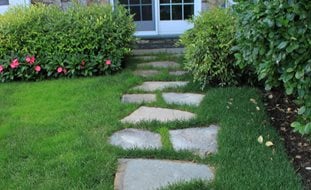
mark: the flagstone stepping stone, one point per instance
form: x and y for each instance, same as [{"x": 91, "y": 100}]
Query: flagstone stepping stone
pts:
[
  {"x": 146, "y": 73},
  {"x": 135, "y": 138},
  {"x": 177, "y": 73},
  {"x": 147, "y": 114},
  {"x": 183, "y": 98},
  {"x": 201, "y": 141},
  {"x": 157, "y": 85},
  {"x": 144, "y": 174},
  {"x": 160, "y": 64},
  {"x": 139, "y": 98},
  {"x": 146, "y": 57}
]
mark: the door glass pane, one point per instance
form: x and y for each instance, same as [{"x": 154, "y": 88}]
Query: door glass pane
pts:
[
  {"x": 165, "y": 13},
  {"x": 134, "y": 1},
  {"x": 188, "y": 1},
  {"x": 188, "y": 11},
  {"x": 176, "y": 1},
  {"x": 135, "y": 10},
  {"x": 147, "y": 12},
  {"x": 146, "y": 1},
  {"x": 123, "y": 2},
  {"x": 177, "y": 12},
  {"x": 164, "y": 1}
]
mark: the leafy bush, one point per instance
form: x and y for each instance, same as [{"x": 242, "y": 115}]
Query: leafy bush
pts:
[
  {"x": 82, "y": 41},
  {"x": 274, "y": 37},
  {"x": 208, "y": 48}
]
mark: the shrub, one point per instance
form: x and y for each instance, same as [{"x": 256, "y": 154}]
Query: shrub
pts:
[
  {"x": 208, "y": 48},
  {"x": 274, "y": 37},
  {"x": 82, "y": 41}
]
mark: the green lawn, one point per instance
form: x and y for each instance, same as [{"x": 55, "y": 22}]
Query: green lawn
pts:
[{"x": 53, "y": 135}]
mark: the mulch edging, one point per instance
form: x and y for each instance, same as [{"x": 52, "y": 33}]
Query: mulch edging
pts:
[{"x": 282, "y": 112}]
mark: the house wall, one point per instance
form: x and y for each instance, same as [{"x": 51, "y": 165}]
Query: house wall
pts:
[
  {"x": 210, "y": 4},
  {"x": 4, "y": 8}
]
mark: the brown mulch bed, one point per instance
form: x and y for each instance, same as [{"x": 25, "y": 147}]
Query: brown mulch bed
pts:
[{"x": 282, "y": 111}]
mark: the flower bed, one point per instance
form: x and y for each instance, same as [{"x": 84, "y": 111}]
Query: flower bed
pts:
[{"x": 41, "y": 42}]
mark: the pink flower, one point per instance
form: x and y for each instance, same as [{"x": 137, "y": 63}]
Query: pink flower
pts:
[
  {"x": 28, "y": 59},
  {"x": 59, "y": 69},
  {"x": 14, "y": 64},
  {"x": 31, "y": 59},
  {"x": 37, "y": 68},
  {"x": 82, "y": 62},
  {"x": 1, "y": 68},
  {"x": 108, "y": 62}
]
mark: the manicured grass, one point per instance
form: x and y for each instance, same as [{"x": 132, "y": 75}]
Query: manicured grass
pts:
[{"x": 54, "y": 135}]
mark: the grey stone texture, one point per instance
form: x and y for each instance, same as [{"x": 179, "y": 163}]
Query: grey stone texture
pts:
[
  {"x": 146, "y": 73},
  {"x": 146, "y": 57},
  {"x": 160, "y": 64},
  {"x": 136, "y": 138},
  {"x": 144, "y": 174},
  {"x": 147, "y": 114},
  {"x": 138, "y": 98},
  {"x": 159, "y": 85},
  {"x": 201, "y": 141},
  {"x": 177, "y": 73},
  {"x": 158, "y": 50},
  {"x": 183, "y": 98}
]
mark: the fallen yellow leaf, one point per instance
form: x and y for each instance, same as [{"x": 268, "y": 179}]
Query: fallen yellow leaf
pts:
[
  {"x": 253, "y": 100},
  {"x": 269, "y": 143},
  {"x": 260, "y": 139}
]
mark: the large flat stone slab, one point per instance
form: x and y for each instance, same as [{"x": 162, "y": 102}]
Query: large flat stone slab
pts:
[
  {"x": 146, "y": 73},
  {"x": 138, "y": 98},
  {"x": 135, "y": 138},
  {"x": 147, "y": 114},
  {"x": 201, "y": 141},
  {"x": 173, "y": 51},
  {"x": 178, "y": 73},
  {"x": 158, "y": 85},
  {"x": 144, "y": 174},
  {"x": 160, "y": 64},
  {"x": 146, "y": 57},
  {"x": 183, "y": 98}
]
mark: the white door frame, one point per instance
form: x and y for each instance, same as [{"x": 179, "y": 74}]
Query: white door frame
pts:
[{"x": 168, "y": 27}]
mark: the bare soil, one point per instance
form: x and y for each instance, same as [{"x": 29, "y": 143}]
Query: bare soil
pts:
[{"x": 282, "y": 112}]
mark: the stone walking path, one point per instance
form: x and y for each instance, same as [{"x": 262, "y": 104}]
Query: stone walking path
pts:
[
  {"x": 147, "y": 114},
  {"x": 152, "y": 86},
  {"x": 148, "y": 174},
  {"x": 144, "y": 174}
]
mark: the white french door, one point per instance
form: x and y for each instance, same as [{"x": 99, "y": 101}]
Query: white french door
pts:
[
  {"x": 162, "y": 17},
  {"x": 173, "y": 15}
]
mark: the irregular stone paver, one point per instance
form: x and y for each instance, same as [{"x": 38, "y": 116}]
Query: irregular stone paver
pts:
[
  {"x": 157, "y": 85},
  {"x": 160, "y": 50},
  {"x": 146, "y": 57},
  {"x": 177, "y": 73},
  {"x": 201, "y": 141},
  {"x": 160, "y": 64},
  {"x": 135, "y": 138},
  {"x": 146, "y": 73},
  {"x": 144, "y": 174},
  {"x": 157, "y": 114},
  {"x": 139, "y": 98},
  {"x": 183, "y": 98}
]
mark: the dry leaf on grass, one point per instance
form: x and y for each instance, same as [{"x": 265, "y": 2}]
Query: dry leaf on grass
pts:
[
  {"x": 253, "y": 100},
  {"x": 269, "y": 143},
  {"x": 260, "y": 139}
]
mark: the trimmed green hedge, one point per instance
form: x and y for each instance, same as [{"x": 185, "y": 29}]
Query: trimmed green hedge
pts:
[
  {"x": 42, "y": 42},
  {"x": 208, "y": 49},
  {"x": 274, "y": 37}
]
